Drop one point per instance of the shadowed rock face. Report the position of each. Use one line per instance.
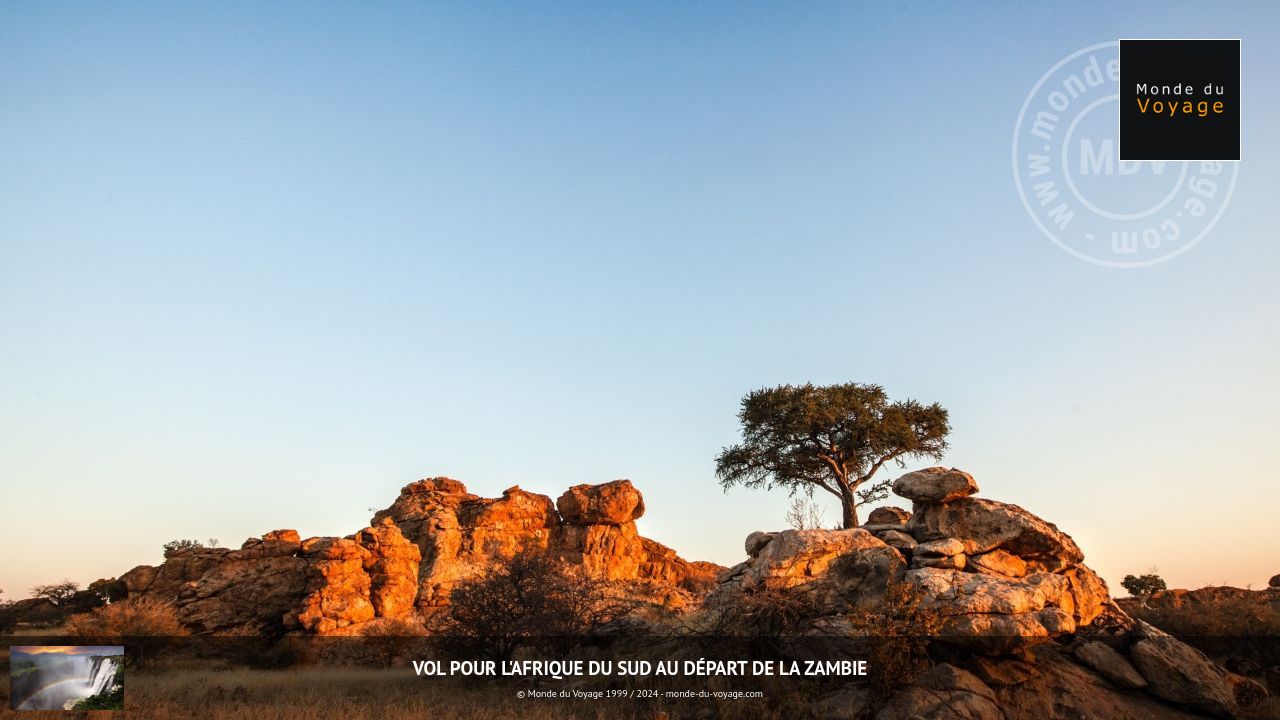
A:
(434, 536)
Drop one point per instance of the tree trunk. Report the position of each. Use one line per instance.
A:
(849, 508)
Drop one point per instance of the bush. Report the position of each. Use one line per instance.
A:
(901, 633)
(136, 617)
(531, 601)
(147, 625)
(177, 546)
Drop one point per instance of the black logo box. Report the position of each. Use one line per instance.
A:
(1187, 68)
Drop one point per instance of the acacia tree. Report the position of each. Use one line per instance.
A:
(1143, 586)
(57, 593)
(831, 437)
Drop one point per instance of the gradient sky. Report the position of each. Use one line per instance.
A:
(261, 264)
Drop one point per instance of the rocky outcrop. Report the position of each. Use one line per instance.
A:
(591, 526)
(1274, 581)
(250, 588)
(434, 536)
(1011, 599)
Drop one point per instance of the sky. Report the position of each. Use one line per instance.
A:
(263, 264)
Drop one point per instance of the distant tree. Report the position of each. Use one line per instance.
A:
(804, 513)
(57, 593)
(213, 542)
(176, 546)
(531, 601)
(833, 437)
(1142, 586)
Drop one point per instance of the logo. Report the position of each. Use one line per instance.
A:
(1082, 196)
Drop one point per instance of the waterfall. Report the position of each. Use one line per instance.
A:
(101, 673)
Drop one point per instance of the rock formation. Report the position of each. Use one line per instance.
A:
(434, 536)
(1036, 630)
(1027, 629)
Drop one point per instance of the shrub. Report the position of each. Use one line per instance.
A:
(147, 625)
(531, 601)
(901, 632)
(177, 546)
(136, 617)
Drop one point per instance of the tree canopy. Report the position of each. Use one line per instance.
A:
(831, 437)
(1142, 586)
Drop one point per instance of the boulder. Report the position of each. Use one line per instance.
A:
(995, 614)
(940, 548)
(612, 503)
(839, 569)
(756, 542)
(998, 562)
(935, 485)
(1089, 594)
(944, 562)
(1180, 674)
(899, 541)
(986, 525)
(944, 692)
(1274, 581)
(139, 579)
(1109, 664)
(888, 516)
(946, 554)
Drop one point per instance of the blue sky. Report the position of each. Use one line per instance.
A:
(263, 264)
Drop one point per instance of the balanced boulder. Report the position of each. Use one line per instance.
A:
(936, 485)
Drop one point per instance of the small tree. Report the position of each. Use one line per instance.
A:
(804, 513)
(57, 593)
(1142, 586)
(177, 546)
(833, 437)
